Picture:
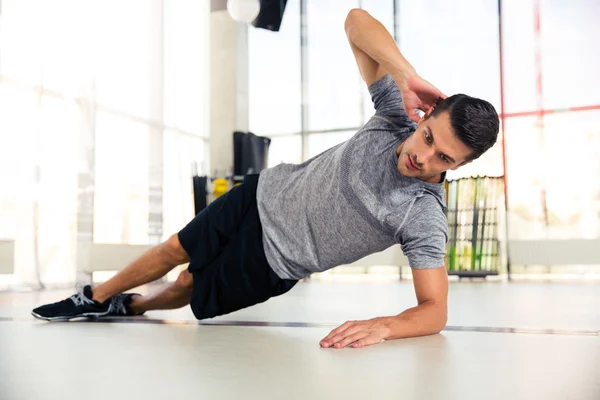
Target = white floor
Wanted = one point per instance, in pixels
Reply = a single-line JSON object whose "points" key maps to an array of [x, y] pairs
{"points": [[503, 341]]}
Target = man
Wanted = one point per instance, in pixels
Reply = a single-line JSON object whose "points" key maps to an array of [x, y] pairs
{"points": [[381, 187]]}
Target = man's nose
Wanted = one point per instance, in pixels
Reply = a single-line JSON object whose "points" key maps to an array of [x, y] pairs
{"points": [[424, 157]]}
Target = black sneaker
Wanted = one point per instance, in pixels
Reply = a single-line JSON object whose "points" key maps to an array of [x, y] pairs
{"points": [[119, 305], [78, 305]]}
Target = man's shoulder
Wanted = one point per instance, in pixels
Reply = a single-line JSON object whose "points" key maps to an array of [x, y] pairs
{"points": [[429, 209], [378, 123], [426, 224]]}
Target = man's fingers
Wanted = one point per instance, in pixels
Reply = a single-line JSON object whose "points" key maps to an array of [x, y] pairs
{"points": [[343, 335], [413, 115], [327, 341], [428, 87], [351, 339], [354, 333], [367, 341]]}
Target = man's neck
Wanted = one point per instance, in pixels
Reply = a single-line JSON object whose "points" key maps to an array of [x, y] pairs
{"points": [[435, 179]]}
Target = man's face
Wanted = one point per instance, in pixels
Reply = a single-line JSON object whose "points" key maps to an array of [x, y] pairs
{"points": [[432, 149]]}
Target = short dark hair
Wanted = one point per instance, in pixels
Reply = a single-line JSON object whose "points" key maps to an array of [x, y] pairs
{"points": [[475, 121]]}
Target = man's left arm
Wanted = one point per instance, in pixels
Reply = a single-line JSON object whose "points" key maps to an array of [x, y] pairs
{"points": [[427, 318]]}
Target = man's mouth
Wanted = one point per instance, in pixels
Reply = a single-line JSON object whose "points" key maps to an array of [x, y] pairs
{"points": [[411, 165]]}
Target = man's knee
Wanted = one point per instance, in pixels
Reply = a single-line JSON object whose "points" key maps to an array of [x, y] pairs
{"points": [[175, 251], [185, 279]]}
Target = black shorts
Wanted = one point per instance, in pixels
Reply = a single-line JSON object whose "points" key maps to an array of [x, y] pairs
{"points": [[227, 258]]}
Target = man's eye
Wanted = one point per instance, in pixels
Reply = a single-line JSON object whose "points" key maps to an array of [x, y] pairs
{"points": [[444, 158]]}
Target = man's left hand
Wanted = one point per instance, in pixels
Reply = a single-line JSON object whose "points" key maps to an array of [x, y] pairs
{"points": [[358, 333]]}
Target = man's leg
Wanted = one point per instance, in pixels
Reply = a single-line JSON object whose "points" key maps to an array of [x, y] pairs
{"points": [[202, 240], [150, 266], [174, 295]]}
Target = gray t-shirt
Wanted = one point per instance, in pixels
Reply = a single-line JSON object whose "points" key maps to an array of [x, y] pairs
{"points": [[351, 201]]}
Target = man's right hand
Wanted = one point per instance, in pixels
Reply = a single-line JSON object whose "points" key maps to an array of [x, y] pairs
{"points": [[417, 93], [377, 54]]}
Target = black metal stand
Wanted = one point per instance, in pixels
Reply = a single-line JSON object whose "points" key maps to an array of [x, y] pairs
{"points": [[472, 274]]}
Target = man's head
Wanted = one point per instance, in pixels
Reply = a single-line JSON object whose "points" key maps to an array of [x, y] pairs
{"points": [[457, 131]]}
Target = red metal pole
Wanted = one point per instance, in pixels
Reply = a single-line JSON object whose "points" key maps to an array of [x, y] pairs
{"points": [[540, 97], [551, 111], [503, 119]]}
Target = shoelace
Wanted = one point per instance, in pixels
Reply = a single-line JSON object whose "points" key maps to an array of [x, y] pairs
{"points": [[80, 299], [116, 305]]}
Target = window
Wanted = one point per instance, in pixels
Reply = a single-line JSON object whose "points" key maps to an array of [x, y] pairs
{"points": [[121, 202], [286, 150], [570, 59], [454, 45], [320, 142], [180, 154], [337, 97], [334, 83], [274, 76], [572, 173], [82, 118]]}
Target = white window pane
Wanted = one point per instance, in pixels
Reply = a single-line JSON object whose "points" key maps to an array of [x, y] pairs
{"points": [[525, 171], [180, 153], [334, 82], [61, 71], [573, 179], [19, 129], [454, 45], [554, 193], [19, 124], [20, 40], [121, 197], [570, 56], [274, 76], [320, 142], [128, 56], [518, 56], [57, 190], [186, 48], [286, 149]]}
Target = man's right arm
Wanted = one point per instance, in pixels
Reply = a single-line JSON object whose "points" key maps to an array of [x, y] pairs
{"points": [[375, 50], [376, 54]]}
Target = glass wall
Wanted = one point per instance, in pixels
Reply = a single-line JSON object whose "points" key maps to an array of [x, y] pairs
{"points": [[550, 86], [98, 127], [336, 99], [552, 101], [337, 102]]}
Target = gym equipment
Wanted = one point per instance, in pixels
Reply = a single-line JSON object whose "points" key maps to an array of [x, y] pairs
{"points": [[473, 215]]}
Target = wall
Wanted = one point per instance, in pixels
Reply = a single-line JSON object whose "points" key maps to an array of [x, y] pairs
{"points": [[228, 88]]}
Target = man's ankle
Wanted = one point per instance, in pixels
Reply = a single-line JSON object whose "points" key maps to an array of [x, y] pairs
{"points": [[136, 304], [98, 296]]}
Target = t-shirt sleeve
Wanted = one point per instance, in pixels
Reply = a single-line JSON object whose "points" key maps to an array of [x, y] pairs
{"points": [[424, 235], [387, 99]]}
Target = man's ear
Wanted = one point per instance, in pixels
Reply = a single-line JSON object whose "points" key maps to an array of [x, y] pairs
{"points": [[461, 164]]}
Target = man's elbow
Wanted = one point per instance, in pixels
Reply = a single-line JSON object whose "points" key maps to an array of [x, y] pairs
{"points": [[441, 317], [440, 324], [352, 19]]}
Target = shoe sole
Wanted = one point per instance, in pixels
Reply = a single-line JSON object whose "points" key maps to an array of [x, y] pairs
{"points": [[66, 318]]}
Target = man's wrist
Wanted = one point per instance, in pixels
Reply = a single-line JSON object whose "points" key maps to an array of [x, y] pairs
{"points": [[387, 327], [403, 76]]}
